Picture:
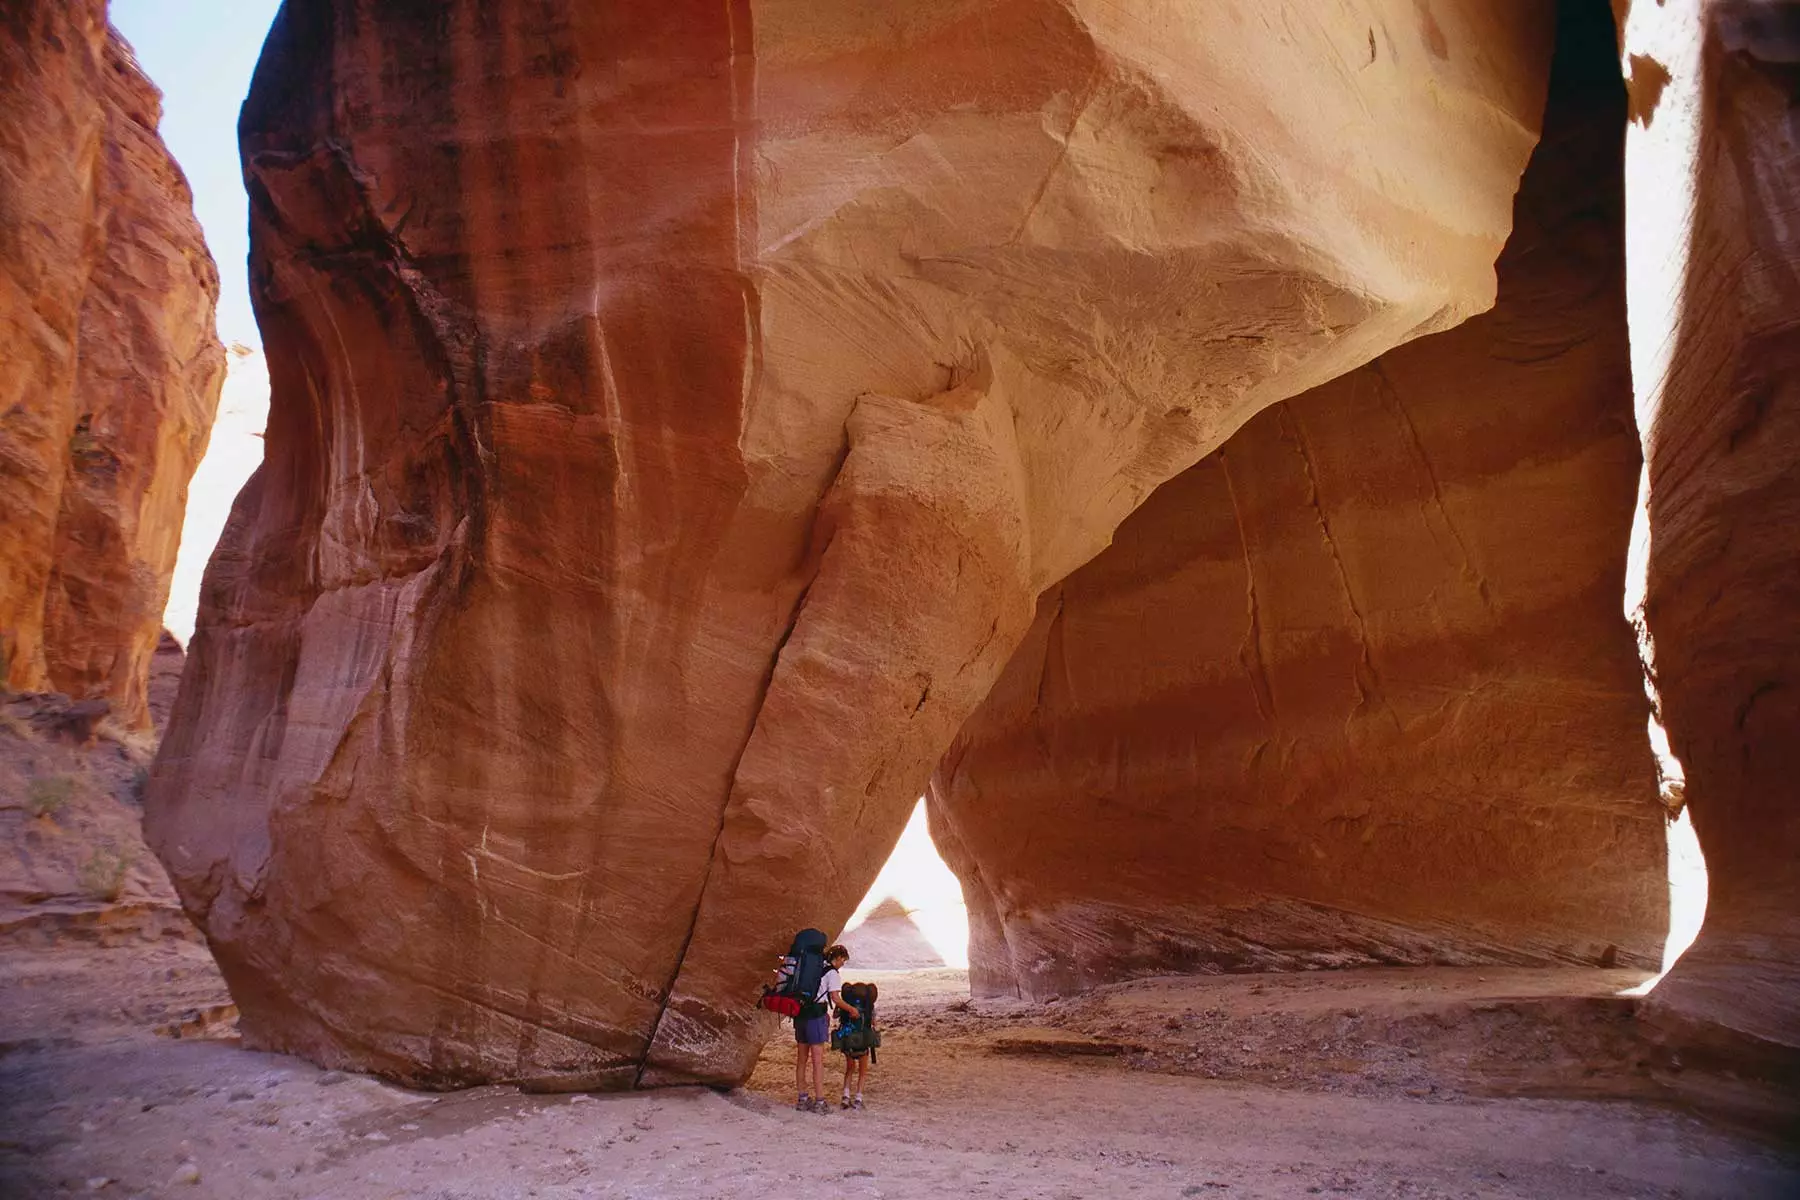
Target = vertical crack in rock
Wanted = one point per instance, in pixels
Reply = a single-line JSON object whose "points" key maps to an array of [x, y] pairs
{"points": [[1367, 680], [822, 517], [1251, 655], [1051, 635], [1385, 388]]}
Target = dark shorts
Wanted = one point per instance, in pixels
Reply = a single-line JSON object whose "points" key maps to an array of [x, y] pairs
{"points": [[812, 1031]]}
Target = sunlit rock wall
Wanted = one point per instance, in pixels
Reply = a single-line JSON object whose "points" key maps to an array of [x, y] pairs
{"points": [[677, 411], [112, 367], [1356, 689]]}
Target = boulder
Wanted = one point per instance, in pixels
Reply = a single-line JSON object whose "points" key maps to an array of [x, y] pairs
{"points": [[677, 410], [1356, 689], [107, 295]]}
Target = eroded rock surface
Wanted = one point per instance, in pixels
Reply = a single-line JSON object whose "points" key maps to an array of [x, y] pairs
{"points": [[112, 370], [677, 411], [1715, 288], [1356, 689]]}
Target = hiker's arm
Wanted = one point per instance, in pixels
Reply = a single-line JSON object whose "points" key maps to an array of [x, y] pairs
{"points": [[837, 999]]}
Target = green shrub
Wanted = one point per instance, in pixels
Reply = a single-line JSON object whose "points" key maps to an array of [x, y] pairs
{"points": [[47, 794], [102, 876]]}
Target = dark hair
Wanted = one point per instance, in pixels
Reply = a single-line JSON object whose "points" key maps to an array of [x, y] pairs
{"points": [[836, 951]]}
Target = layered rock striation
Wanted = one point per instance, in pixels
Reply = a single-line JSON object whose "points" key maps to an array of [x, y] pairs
{"points": [[677, 412], [1714, 273], [1356, 689], [113, 367]]}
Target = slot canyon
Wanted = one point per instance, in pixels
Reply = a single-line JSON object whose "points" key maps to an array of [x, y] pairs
{"points": [[1298, 488]]}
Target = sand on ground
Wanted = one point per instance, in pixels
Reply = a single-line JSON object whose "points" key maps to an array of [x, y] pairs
{"points": [[121, 1076]]}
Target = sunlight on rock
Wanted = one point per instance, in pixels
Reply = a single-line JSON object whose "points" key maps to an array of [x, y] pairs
{"points": [[1687, 889], [1686, 863], [233, 455]]}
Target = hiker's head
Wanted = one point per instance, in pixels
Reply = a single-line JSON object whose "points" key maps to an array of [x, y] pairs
{"points": [[836, 956]]}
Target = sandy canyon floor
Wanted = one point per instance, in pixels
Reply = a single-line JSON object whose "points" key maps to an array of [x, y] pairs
{"points": [[120, 1076]]}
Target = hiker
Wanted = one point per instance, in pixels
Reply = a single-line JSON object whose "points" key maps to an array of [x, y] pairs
{"points": [[812, 1024], [856, 1039]]}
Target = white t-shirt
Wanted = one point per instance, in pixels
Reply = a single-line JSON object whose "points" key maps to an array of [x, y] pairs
{"points": [[831, 981]]}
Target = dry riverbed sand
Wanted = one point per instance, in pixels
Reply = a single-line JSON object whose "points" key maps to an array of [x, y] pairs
{"points": [[122, 1078]]}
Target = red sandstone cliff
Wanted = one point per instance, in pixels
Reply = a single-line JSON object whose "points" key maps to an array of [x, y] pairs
{"points": [[1714, 268], [677, 411], [1357, 688], [113, 368]]}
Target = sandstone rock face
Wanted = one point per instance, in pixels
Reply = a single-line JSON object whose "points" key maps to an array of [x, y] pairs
{"points": [[677, 411], [51, 110], [1714, 273], [106, 307], [1356, 689]]}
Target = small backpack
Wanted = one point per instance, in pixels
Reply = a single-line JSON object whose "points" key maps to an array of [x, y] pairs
{"points": [[797, 994]]}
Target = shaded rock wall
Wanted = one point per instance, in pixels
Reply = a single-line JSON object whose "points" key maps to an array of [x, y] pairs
{"points": [[1714, 272], [106, 315], [677, 410], [1356, 689]]}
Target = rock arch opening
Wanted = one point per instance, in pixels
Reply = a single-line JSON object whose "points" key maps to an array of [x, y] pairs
{"points": [[1357, 688], [914, 914]]}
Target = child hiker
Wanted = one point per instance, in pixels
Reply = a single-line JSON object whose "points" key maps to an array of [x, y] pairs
{"points": [[812, 1027], [857, 1039]]}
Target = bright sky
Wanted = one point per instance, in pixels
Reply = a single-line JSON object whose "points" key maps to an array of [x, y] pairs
{"points": [[916, 876], [201, 53]]}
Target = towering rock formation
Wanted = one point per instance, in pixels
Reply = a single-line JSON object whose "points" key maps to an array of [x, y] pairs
{"points": [[677, 411], [1714, 271], [1356, 689], [113, 369]]}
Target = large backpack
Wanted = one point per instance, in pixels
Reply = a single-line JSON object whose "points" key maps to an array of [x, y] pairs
{"points": [[856, 1037], [797, 995]]}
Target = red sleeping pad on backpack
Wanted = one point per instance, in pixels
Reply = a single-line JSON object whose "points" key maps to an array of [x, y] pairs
{"points": [[775, 1002], [805, 965]]}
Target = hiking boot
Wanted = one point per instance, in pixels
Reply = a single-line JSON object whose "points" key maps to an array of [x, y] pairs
{"points": [[822, 1105], [856, 1103], [844, 1103], [804, 1104]]}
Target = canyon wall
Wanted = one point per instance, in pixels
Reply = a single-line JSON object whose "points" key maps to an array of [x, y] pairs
{"points": [[1714, 270], [677, 412], [1356, 689], [113, 368]]}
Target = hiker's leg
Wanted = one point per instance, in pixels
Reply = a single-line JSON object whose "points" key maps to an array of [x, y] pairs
{"points": [[862, 1072], [818, 1068], [800, 1053]]}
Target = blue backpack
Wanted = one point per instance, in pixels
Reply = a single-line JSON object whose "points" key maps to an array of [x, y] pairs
{"points": [[797, 995], [858, 1035]]}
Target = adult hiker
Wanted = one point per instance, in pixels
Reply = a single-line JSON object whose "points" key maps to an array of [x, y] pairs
{"points": [[812, 1024]]}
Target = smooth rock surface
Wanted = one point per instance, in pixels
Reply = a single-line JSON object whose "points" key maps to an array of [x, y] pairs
{"points": [[1714, 270], [1356, 689], [106, 308], [677, 411]]}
